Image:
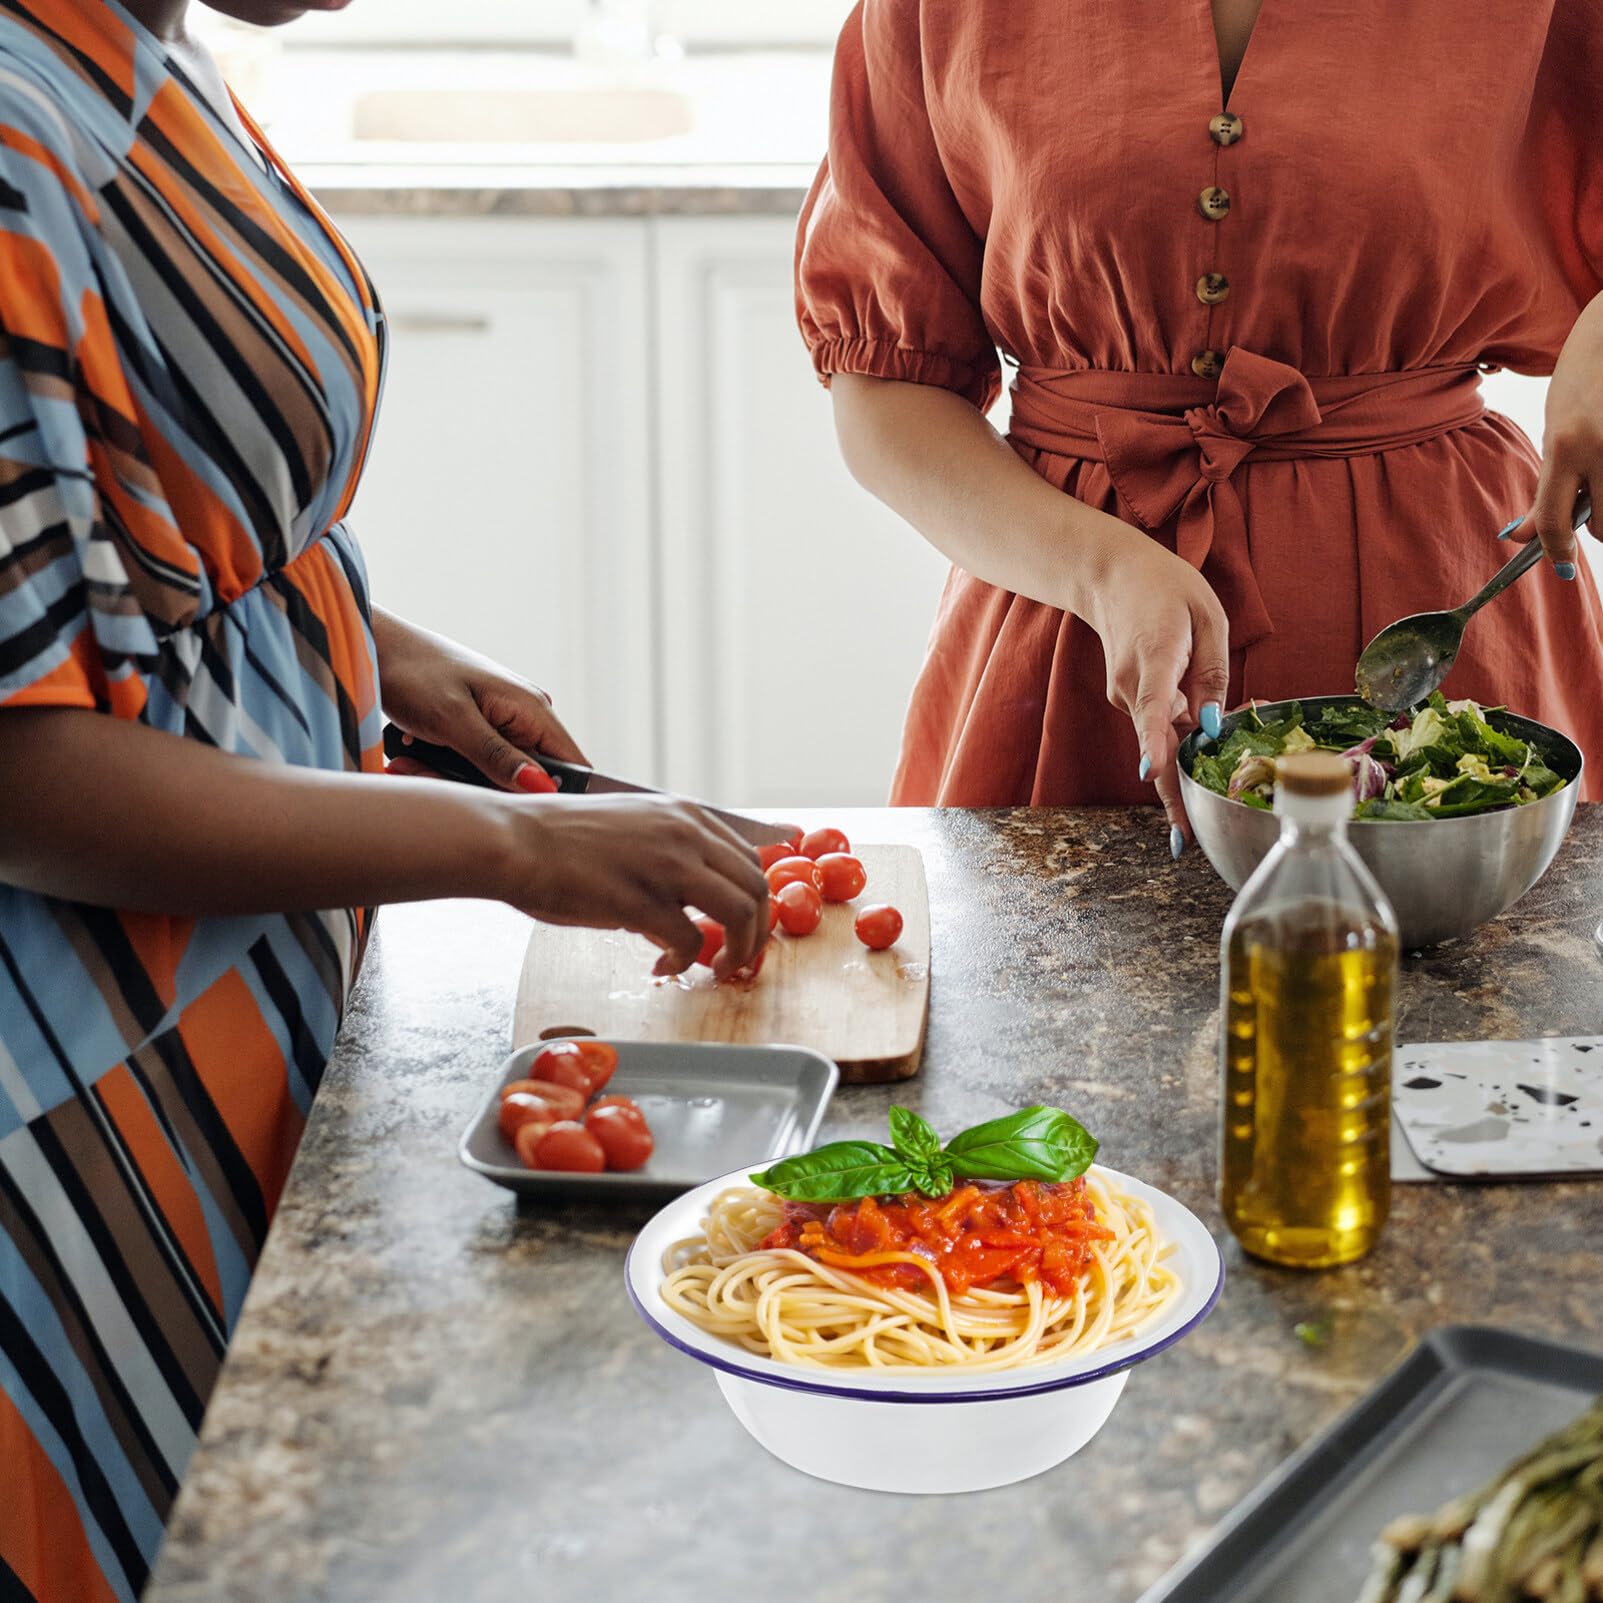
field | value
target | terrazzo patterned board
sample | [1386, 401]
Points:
[1503, 1108]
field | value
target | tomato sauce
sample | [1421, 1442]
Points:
[976, 1236]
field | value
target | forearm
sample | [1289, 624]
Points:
[98, 810]
[929, 455]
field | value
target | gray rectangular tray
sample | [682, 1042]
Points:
[711, 1109]
[1465, 1402]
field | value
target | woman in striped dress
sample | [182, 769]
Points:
[192, 808]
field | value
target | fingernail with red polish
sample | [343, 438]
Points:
[534, 779]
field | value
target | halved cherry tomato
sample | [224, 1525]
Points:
[562, 1064]
[623, 1137]
[523, 1108]
[820, 842]
[769, 855]
[788, 870]
[773, 913]
[712, 940]
[600, 1058]
[800, 908]
[844, 876]
[751, 970]
[879, 926]
[565, 1101]
[527, 1142]
[628, 1104]
[568, 1145]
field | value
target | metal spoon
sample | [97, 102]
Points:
[1410, 658]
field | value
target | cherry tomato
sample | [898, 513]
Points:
[752, 969]
[844, 876]
[712, 940]
[564, 1101]
[773, 913]
[567, 1145]
[562, 1064]
[821, 842]
[788, 870]
[879, 926]
[794, 838]
[622, 1136]
[520, 1109]
[800, 908]
[769, 855]
[600, 1058]
[527, 1141]
[628, 1104]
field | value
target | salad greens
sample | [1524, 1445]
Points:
[1032, 1144]
[1444, 761]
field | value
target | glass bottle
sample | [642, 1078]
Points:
[1309, 977]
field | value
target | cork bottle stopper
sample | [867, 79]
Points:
[1313, 773]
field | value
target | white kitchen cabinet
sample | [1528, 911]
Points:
[793, 608]
[507, 501]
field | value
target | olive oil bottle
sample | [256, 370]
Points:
[1309, 976]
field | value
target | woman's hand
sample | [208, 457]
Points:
[1166, 642]
[1572, 444]
[439, 691]
[636, 863]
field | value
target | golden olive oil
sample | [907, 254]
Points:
[1306, 1171]
[1307, 990]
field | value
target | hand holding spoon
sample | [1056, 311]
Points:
[1410, 658]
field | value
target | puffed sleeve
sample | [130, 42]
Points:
[71, 633]
[888, 267]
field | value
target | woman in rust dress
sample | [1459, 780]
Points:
[1249, 263]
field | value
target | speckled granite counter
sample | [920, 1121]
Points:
[436, 1395]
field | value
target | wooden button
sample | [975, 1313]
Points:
[1212, 288]
[1225, 129]
[1206, 364]
[1213, 203]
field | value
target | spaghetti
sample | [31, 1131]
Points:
[749, 1278]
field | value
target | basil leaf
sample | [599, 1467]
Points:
[933, 1179]
[839, 1172]
[914, 1137]
[1033, 1144]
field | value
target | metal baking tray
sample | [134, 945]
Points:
[711, 1109]
[1467, 1401]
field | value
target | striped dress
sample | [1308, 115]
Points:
[190, 361]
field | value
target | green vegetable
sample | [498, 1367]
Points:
[839, 1172]
[1450, 761]
[1034, 1144]
[1313, 1332]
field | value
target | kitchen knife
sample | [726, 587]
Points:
[572, 779]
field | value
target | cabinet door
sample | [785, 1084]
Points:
[795, 608]
[506, 502]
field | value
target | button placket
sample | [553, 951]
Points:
[1213, 203]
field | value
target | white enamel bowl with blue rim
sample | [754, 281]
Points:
[905, 1431]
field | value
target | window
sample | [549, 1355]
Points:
[697, 23]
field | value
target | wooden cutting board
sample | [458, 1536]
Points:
[866, 1010]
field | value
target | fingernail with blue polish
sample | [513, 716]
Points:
[1509, 527]
[1565, 570]
[1177, 842]
[1211, 721]
[1145, 768]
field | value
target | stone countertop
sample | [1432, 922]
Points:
[436, 1393]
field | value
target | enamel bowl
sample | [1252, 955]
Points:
[1443, 879]
[904, 1431]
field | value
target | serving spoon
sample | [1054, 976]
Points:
[1410, 658]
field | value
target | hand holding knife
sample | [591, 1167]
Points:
[571, 779]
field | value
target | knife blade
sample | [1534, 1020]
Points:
[572, 779]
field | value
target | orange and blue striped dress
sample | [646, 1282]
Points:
[190, 362]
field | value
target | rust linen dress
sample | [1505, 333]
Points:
[1253, 330]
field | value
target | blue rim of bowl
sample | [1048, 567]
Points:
[861, 1394]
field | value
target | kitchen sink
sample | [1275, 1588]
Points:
[622, 116]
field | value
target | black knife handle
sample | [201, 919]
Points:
[570, 777]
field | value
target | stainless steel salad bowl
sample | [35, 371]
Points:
[1443, 878]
